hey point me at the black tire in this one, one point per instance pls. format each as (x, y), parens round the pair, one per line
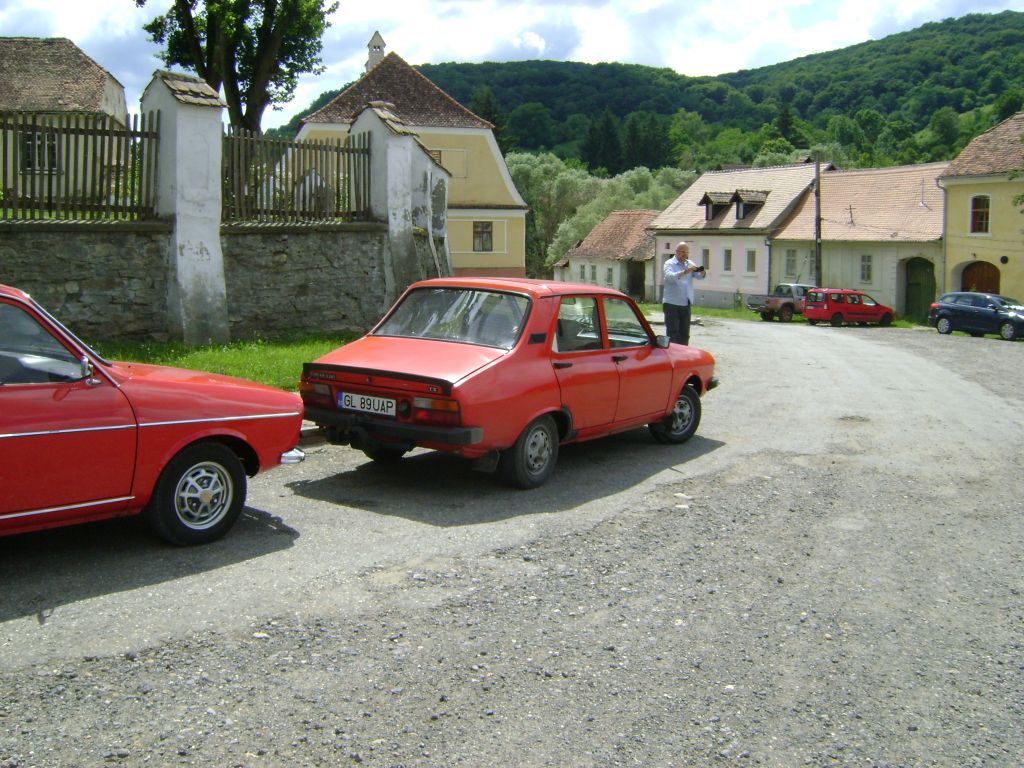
(679, 426)
(944, 325)
(199, 495)
(836, 320)
(886, 320)
(767, 315)
(785, 313)
(530, 462)
(1008, 331)
(384, 454)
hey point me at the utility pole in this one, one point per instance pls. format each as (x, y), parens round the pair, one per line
(817, 220)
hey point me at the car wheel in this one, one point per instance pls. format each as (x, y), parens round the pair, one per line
(767, 315)
(886, 320)
(679, 426)
(199, 495)
(530, 462)
(836, 321)
(786, 314)
(1008, 331)
(944, 325)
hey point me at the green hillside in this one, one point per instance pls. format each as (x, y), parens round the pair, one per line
(912, 97)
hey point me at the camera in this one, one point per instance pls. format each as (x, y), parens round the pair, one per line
(700, 269)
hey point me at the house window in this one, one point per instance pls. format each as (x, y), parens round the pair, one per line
(865, 268)
(39, 151)
(727, 260)
(751, 261)
(791, 262)
(483, 236)
(583, 272)
(979, 214)
(705, 257)
(609, 276)
(593, 273)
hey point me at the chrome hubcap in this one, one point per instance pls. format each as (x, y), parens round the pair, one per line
(681, 414)
(203, 495)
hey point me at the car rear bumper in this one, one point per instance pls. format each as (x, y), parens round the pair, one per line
(394, 430)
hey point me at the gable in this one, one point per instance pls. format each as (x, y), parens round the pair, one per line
(413, 98)
(998, 150)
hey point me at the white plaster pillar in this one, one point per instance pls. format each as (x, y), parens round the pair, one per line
(189, 190)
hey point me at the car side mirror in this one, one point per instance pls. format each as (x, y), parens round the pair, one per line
(661, 342)
(88, 371)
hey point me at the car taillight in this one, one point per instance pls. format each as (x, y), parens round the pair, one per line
(935, 305)
(315, 388)
(432, 410)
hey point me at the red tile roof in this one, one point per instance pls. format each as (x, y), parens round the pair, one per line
(622, 236)
(417, 101)
(49, 75)
(998, 150)
(902, 204)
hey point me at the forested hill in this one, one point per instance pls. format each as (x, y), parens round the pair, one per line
(910, 97)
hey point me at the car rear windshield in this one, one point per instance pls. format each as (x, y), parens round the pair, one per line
(466, 315)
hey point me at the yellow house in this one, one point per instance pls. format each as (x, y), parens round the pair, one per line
(984, 240)
(486, 214)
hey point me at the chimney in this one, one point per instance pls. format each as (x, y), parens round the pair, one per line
(376, 51)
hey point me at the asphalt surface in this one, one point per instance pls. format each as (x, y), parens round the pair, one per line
(829, 573)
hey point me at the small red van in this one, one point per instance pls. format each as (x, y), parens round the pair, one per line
(839, 306)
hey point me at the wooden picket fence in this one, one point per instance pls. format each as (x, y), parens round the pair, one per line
(283, 181)
(77, 167)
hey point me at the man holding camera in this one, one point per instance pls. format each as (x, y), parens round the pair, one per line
(678, 296)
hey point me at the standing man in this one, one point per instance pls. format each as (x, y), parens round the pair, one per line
(678, 296)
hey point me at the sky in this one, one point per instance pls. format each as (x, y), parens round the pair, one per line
(692, 37)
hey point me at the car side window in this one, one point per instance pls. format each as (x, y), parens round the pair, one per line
(577, 328)
(868, 301)
(837, 298)
(624, 327)
(853, 299)
(29, 354)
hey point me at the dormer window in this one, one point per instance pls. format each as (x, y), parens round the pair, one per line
(715, 204)
(748, 201)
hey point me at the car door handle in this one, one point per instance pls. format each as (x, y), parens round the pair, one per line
(619, 358)
(559, 366)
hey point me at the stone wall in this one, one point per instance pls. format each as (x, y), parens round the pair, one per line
(321, 279)
(103, 281)
(110, 282)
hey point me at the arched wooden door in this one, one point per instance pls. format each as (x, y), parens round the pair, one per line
(920, 291)
(980, 276)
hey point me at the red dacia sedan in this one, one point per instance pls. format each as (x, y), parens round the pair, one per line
(83, 438)
(502, 371)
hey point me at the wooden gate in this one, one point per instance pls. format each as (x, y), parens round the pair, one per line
(980, 276)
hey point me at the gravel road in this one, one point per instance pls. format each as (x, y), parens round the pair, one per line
(830, 573)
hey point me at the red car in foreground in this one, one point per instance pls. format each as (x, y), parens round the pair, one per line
(838, 306)
(502, 371)
(83, 439)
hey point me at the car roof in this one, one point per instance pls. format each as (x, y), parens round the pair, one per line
(838, 290)
(533, 287)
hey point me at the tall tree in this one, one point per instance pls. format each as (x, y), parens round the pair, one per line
(602, 148)
(254, 50)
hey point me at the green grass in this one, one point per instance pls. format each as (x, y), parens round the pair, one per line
(276, 363)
